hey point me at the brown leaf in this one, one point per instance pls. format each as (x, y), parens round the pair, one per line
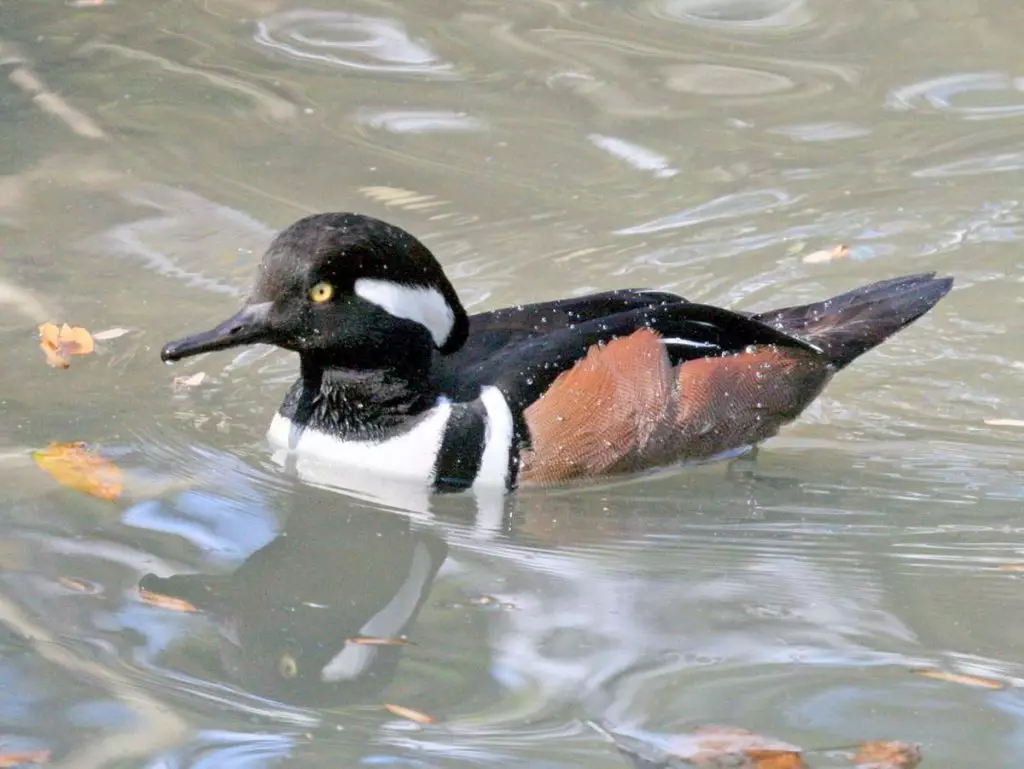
(887, 754)
(776, 759)
(74, 466)
(718, 745)
(165, 601)
(827, 255)
(76, 585)
(21, 758)
(960, 678)
(59, 344)
(408, 713)
(371, 641)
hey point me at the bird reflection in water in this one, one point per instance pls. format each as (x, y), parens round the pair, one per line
(288, 615)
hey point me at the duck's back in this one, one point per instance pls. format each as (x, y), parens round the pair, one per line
(497, 338)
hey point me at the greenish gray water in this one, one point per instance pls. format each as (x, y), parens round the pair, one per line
(540, 149)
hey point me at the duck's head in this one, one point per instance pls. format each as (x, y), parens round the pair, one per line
(344, 289)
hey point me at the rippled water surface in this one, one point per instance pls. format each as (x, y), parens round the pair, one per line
(149, 150)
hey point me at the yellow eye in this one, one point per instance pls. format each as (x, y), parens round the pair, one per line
(321, 292)
(287, 666)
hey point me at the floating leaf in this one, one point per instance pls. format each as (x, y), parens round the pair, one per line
(76, 585)
(21, 758)
(776, 759)
(191, 380)
(709, 746)
(74, 466)
(110, 333)
(827, 255)
(162, 601)
(887, 754)
(1005, 422)
(960, 678)
(1012, 567)
(371, 641)
(60, 343)
(408, 713)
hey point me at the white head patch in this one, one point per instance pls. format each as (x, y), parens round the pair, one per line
(424, 305)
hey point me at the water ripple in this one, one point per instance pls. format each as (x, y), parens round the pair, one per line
(350, 41)
(984, 164)
(950, 92)
(721, 80)
(419, 121)
(738, 15)
(725, 207)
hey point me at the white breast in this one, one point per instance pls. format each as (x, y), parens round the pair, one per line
(409, 455)
(399, 472)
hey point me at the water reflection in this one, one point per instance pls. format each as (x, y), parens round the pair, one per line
(298, 620)
(726, 139)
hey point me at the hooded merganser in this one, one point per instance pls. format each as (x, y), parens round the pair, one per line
(397, 379)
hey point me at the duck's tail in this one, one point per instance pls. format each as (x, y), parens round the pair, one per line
(847, 326)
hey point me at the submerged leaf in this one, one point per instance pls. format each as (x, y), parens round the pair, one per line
(371, 641)
(960, 678)
(190, 380)
(408, 713)
(110, 333)
(827, 255)
(21, 758)
(60, 343)
(169, 602)
(1001, 422)
(76, 585)
(74, 466)
(887, 754)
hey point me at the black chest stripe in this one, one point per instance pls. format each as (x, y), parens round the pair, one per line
(462, 447)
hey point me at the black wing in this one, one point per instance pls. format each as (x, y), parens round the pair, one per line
(496, 330)
(525, 366)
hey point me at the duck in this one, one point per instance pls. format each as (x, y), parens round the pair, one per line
(396, 378)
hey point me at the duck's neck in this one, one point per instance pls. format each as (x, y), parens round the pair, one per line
(358, 404)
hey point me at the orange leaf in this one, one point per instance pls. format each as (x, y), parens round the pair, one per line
(776, 759)
(166, 601)
(408, 713)
(59, 344)
(8, 760)
(729, 745)
(960, 678)
(370, 641)
(74, 466)
(887, 754)
(75, 584)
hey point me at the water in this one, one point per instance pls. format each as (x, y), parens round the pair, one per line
(540, 149)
